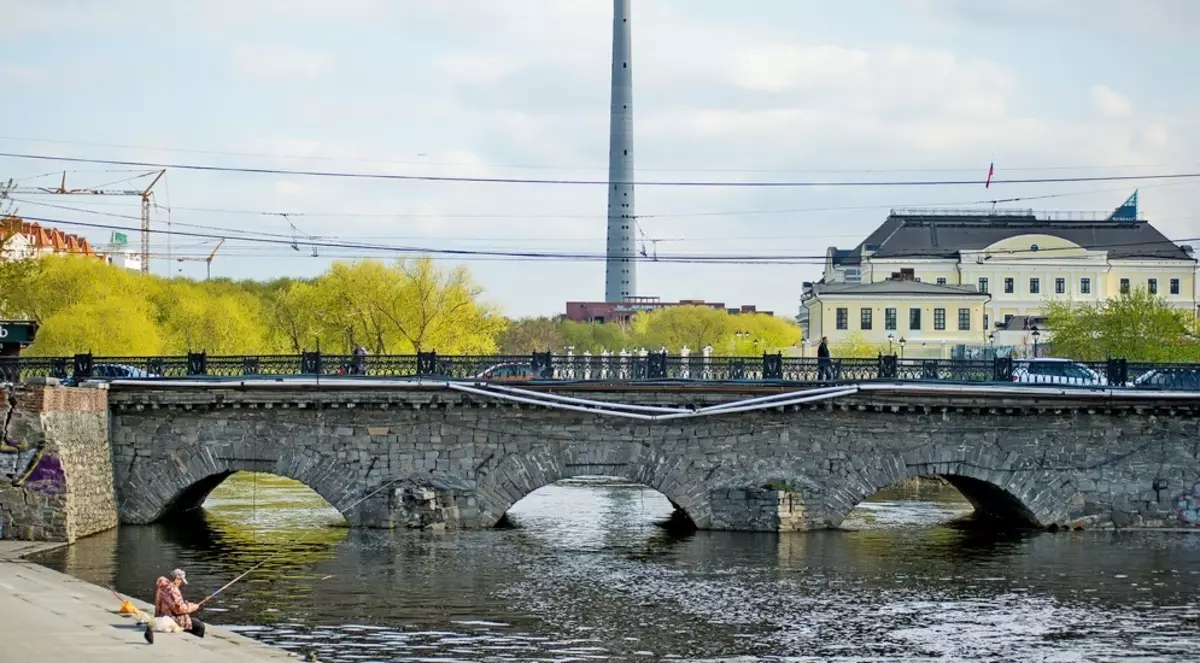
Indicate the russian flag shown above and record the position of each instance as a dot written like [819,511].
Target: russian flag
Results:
[991,171]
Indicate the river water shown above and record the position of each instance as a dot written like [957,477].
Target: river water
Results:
[586,575]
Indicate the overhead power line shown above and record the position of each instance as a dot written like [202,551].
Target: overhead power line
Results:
[474,254]
[598,167]
[588,182]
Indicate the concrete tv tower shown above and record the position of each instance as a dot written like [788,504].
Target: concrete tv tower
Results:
[620,273]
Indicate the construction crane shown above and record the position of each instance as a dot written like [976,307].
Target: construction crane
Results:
[143,194]
[207,261]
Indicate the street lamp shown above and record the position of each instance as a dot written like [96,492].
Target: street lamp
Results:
[902,342]
[891,338]
[1036,335]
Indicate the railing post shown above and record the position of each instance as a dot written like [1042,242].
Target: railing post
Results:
[656,366]
[1002,369]
[542,366]
[427,363]
[1118,372]
[310,363]
[772,366]
[83,367]
[250,366]
[887,367]
[197,363]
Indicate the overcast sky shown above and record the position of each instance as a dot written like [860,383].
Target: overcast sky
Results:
[776,90]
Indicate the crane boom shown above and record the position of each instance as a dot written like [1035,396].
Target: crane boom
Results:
[144,194]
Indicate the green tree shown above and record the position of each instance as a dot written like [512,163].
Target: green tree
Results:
[215,318]
[528,335]
[756,333]
[856,347]
[676,327]
[595,337]
[107,325]
[432,309]
[1137,326]
[292,316]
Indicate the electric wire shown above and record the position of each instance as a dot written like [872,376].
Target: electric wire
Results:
[549,255]
[269,155]
[592,182]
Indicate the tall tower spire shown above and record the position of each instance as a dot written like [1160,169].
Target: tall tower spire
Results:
[620,273]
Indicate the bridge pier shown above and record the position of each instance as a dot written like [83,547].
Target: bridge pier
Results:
[56,477]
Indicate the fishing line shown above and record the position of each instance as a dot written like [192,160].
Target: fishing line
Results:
[281,550]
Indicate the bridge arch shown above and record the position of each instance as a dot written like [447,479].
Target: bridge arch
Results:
[999,487]
[179,480]
[519,474]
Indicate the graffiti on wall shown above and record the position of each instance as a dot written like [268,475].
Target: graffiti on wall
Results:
[1188,506]
[27,465]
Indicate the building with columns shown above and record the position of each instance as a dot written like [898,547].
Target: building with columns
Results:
[1014,260]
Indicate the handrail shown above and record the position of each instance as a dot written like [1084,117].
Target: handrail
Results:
[650,367]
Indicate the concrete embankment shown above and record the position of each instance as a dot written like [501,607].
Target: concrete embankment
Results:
[48,616]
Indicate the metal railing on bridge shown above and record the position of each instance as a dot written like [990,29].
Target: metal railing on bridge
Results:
[544,366]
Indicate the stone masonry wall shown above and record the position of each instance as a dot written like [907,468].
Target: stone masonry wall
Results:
[55,468]
[425,457]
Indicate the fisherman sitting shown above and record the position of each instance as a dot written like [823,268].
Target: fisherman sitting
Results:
[168,602]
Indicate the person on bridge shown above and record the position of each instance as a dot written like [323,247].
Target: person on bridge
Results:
[360,360]
[824,363]
[168,602]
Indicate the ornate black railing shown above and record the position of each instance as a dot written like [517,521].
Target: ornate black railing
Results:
[610,368]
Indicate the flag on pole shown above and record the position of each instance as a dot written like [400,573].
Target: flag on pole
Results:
[991,171]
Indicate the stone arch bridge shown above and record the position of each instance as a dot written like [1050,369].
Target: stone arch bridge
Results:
[394,455]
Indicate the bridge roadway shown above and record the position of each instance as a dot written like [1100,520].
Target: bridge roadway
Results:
[444,454]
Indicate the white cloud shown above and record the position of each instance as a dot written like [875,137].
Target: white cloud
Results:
[1110,103]
[1154,20]
[477,67]
[273,62]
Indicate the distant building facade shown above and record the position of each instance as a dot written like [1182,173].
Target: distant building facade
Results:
[21,240]
[623,312]
[1013,260]
[888,311]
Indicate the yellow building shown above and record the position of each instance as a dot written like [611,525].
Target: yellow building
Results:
[1021,259]
[927,318]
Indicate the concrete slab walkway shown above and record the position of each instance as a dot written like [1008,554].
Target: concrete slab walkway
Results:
[47,616]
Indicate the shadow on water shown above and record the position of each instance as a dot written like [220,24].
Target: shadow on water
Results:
[588,573]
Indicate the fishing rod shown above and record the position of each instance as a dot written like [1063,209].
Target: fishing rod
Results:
[230,583]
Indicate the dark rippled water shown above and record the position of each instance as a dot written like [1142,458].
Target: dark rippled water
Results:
[588,576]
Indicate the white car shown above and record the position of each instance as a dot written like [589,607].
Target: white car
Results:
[1056,371]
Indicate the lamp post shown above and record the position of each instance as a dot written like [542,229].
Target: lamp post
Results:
[891,338]
[902,342]
[1036,335]
[739,336]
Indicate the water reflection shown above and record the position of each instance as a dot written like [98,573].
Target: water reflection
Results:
[587,575]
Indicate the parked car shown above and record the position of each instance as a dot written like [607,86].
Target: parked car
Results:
[1056,371]
[101,372]
[511,372]
[1186,379]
